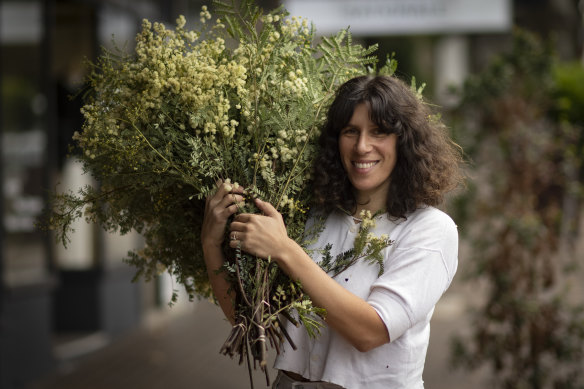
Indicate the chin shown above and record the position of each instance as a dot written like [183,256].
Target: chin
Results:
[363,187]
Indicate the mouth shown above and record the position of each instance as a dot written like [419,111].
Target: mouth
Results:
[364,164]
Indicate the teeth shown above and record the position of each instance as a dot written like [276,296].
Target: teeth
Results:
[366,165]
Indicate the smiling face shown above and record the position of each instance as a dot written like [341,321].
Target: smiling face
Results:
[368,154]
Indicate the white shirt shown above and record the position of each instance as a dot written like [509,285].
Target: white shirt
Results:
[419,267]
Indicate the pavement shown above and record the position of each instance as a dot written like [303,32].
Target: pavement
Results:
[179,349]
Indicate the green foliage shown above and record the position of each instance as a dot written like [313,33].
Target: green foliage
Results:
[367,246]
[530,330]
[569,92]
[164,123]
[389,67]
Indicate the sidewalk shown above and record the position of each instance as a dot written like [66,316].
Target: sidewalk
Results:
[181,351]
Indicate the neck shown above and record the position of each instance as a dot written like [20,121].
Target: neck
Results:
[368,204]
[372,199]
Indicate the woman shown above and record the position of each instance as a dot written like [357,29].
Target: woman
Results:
[381,152]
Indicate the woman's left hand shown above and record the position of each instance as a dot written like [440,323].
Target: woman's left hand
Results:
[260,235]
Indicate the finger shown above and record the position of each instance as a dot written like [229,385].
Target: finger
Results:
[244,217]
[221,189]
[231,199]
[267,208]
[222,211]
[215,193]
[235,243]
[231,210]
[229,187]
[238,189]
[236,239]
[227,194]
[237,226]
[235,235]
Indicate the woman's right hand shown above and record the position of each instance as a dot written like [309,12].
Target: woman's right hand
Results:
[218,208]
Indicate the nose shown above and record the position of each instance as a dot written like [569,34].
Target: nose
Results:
[363,144]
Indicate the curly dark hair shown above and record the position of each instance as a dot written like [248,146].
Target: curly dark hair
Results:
[428,162]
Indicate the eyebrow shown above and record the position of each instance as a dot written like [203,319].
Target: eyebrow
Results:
[376,127]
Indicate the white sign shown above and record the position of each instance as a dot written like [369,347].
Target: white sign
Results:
[400,17]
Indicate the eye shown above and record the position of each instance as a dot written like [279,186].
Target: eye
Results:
[380,132]
[349,131]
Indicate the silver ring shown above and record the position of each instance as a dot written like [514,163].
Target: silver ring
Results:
[234,236]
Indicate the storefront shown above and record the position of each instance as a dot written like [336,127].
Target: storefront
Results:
[51,298]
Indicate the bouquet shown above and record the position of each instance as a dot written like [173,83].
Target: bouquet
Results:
[242,100]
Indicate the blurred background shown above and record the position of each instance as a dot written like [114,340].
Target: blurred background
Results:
[507,76]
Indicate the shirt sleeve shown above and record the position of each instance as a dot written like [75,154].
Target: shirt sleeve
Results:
[418,270]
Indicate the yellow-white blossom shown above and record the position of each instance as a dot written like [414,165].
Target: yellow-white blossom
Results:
[186,107]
